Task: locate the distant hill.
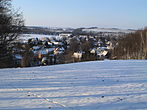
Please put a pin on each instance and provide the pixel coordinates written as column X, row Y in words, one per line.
column 91, row 31
column 46, row 30
column 108, row 30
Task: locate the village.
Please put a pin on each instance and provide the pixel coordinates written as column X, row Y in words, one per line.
column 65, row 48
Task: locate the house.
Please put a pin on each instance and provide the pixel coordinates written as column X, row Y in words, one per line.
column 100, row 52
column 65, row 35
column 77, row 56
column 109, row 45
column 58, row 51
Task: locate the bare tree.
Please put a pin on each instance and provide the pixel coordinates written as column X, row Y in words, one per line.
column 11, row 25
column 132, row 46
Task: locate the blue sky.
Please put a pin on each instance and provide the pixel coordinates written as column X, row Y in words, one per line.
column 84, row 13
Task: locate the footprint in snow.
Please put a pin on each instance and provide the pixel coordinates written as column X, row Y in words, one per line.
column 102, row 96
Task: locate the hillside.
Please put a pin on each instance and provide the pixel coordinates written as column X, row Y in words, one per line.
column 97, row 85
column 108, row 30
column 85, row 31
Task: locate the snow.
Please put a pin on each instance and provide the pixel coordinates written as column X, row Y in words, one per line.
column 109, row 30
column 17, row 56
column 96, row 85
column 26, row 37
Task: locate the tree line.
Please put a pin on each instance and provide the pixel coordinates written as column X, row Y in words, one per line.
column 131, row 46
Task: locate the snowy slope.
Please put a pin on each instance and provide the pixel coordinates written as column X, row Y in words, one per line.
column 109, row 30
column 98, row 85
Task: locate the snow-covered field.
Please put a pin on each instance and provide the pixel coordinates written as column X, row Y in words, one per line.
column 26, row 37
column 97, row 85
column 107, row 30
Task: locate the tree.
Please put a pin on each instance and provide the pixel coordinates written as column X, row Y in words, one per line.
column 11, row 25
column 74, row 45
column 132, row 46
column 26, row 55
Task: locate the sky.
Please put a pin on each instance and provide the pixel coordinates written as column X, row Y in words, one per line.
column 84, row 13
